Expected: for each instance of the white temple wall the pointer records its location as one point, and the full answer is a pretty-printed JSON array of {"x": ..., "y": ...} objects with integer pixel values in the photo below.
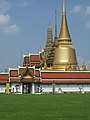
[
  {"x": 62, "y": 88},
  {"x": 72, "y": 88},
  {"x": 66, "y": 88},
  {"x": 86, "y": 88},
  {"x": 2, "y": 88},
  {"x": 48, "y": 88},
  {"x": 43, "y": 88}
]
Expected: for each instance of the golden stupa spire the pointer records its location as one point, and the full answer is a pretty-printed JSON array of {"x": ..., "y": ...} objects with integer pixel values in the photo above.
[
  {"x": 64, "y": 32},
  {"x": 65, "y": 51}
]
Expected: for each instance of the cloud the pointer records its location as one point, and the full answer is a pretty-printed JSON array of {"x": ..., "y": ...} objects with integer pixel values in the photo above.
[
  {"x": 4, "y": 6},
  {"x": 11, "y": 29},
  {"x": 84, "y": 11},
  {"x": 22, "y": 3},
  {"x": 6, "y": 25},
  {"x": 4, "y": 19},
  {"x": 88, "y": 24},
  {"x": 87, "y": 11},
  {"x": 77, "y": 9}
]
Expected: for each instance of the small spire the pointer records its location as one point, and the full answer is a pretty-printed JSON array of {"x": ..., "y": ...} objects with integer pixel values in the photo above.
[
  {"x": 49, "y": 33},
  {"x": 56, "y": 36},
  {"x": 55, "y": 23},
  {"x": 21, "y": 59}
]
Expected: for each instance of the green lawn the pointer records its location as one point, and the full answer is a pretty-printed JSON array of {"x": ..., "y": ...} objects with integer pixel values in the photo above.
[{"x": 45, "y": 107}]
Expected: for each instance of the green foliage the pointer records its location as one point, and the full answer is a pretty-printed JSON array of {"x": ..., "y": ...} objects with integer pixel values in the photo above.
[{"x": 45, "y": 107}]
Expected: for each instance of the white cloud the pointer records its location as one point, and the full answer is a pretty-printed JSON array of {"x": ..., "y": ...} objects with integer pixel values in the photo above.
[
  {"x": 88, "y": 24},
  {"x": 77, "y": 9},
  {"x": 4, "y": 6},
  {"x": 84, "y": 11},
  {"x": 4, "y": 19},
  {"x": 22, "y": 3},
  {"x": 87, "y": 11},
  {"x": 6, "y": 25},
  {"x": 11, "y": 29}
]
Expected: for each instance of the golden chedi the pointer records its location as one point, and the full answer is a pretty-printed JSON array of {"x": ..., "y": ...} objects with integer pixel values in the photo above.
[{"x": 65, "y": 52}]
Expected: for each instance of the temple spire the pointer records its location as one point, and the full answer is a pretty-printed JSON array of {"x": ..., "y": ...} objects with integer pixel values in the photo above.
[
  {"x": 64, "y": 32},
  {"x": 56, "y": 36},
  {"x": 49, "y": 41},
  {"x": 49, "y": 33}
]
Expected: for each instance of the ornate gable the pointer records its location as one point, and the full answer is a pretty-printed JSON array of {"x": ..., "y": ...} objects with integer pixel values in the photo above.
[{"x": 28, "y": 75}]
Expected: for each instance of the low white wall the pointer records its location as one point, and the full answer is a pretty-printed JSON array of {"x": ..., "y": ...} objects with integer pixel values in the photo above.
[
  {"x": 72, "y": 88},
  {"x": 48, "y": 88},
  {"x": 61, "y": 88},
  {"x": 43, "y": 88},
  {"x": 2, "y": 88},
  {"x": 67, "y": 88},
  {"x": 86, "y": 88}
]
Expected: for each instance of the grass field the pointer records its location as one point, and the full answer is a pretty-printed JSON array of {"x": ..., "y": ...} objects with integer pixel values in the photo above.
[{"x": 45, "y": 107}]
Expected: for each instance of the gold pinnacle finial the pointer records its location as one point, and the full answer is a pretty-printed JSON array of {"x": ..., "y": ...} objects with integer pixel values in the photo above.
[
  {"x": 64, "y": 8},
  {"x": 64, "y": 32}
]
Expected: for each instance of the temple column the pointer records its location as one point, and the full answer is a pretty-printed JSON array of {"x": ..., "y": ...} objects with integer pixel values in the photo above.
[
  {"x": 53, "y": 88},
  {"x": 33, "y": 87},
  {"x": 8, "y": 88},
  {"x": 21, "y": 88}
]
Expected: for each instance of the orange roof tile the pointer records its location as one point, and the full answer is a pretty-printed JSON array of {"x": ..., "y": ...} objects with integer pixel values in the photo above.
[
  {"x": 13, "y": 73},
  {"x": 34, "y": 58}
]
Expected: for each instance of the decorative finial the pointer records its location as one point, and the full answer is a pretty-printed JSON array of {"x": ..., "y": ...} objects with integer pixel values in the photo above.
[{"x": 64, "y": 8}]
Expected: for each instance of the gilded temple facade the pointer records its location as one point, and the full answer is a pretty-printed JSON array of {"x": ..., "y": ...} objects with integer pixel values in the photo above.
[{"x": 53, "y": 70}]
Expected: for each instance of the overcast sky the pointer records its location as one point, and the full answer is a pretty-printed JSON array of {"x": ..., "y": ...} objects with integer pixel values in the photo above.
[{"x": 23, "y": 27}]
